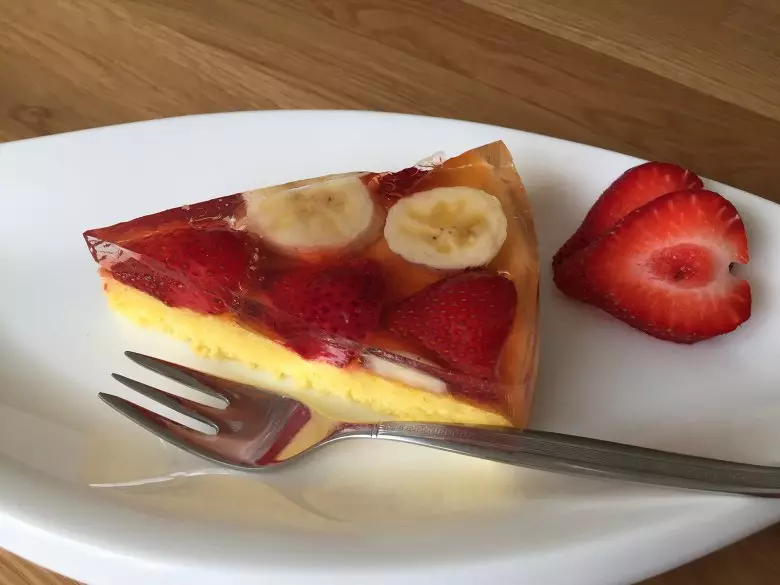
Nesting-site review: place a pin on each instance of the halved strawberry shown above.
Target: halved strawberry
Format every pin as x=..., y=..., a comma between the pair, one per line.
x=665, y=268
x=634, y=188
x=320, y=310
x=201, y=270
x=307, y=340
x=464, y=319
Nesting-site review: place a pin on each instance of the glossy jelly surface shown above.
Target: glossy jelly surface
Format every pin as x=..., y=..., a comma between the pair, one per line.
x=359, y=296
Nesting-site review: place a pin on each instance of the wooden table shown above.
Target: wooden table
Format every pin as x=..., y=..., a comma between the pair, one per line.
x=693, y=81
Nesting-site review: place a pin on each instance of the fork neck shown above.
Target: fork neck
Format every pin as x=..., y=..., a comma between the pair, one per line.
x=344, y=430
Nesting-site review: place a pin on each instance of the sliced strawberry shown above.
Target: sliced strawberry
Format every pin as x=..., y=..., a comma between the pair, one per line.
x=308, y=341
x=464, y=319
x=201, y=270
x=634, y=188
x=319, y=311
x=664, y=269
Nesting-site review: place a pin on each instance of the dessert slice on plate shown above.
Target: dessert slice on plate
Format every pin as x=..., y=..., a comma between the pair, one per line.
x=414, y=293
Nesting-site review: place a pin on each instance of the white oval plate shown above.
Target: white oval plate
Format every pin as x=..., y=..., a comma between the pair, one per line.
x=359, y=511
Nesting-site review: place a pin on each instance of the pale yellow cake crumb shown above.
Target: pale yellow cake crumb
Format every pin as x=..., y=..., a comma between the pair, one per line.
x=219, y=337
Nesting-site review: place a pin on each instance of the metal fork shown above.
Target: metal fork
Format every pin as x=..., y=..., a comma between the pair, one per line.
x=257, y=430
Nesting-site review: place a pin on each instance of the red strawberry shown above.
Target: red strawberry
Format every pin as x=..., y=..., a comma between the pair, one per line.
x=197, y=269
x=664, y=269
x=306, y=340
x=634, y=188
x=320, y=310
x=464, y=319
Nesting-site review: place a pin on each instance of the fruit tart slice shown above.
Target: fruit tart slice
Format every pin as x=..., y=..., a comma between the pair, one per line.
x=414, y=293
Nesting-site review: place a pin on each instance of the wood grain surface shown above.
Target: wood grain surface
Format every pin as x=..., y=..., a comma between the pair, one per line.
x=693, y=81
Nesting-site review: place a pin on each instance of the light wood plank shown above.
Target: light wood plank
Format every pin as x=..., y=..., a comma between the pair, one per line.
x=16, y=571
x=724, y=48
x=96, y=62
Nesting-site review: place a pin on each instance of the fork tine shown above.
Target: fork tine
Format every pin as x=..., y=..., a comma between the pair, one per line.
x=176, y=403
x=168, y=430
x=187, y=376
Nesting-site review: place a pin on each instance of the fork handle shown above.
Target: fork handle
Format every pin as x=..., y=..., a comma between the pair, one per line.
x=588, y=457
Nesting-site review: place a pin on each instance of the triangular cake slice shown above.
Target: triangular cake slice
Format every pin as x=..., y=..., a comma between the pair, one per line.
x=413, y=293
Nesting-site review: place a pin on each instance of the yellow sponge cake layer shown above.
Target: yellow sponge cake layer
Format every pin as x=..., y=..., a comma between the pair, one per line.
x=221, y=338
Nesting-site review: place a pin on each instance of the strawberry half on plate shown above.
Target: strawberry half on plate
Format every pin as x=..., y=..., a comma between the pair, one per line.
x=666, y=268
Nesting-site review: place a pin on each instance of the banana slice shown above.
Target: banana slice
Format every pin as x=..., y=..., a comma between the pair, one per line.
x=405, y=374
x=324, y=215
x=447, y=228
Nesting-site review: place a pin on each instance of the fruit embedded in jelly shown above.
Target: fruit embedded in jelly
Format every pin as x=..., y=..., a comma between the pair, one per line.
x=302, y=337
x=408, y=366
x=447, y=228
x=464, y=320
x=342, y=301
x=202, y=270
x=214, y=213
x=320, y=218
